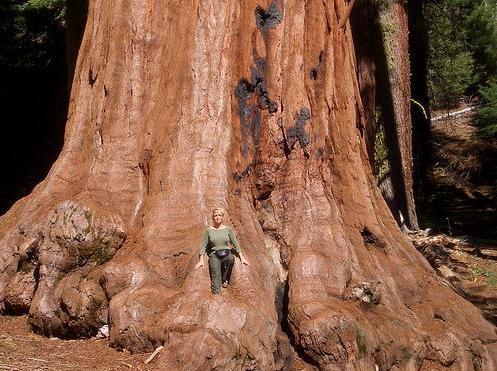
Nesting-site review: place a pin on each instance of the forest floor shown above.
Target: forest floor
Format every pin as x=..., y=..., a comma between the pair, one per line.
x=459, y=205
x=21, y=349
x=460, y=197
x=460, y=208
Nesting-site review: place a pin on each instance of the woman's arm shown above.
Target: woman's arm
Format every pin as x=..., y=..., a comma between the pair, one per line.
x=203, y=247
x=234, y=242
x=200, y=262
x=243, y=260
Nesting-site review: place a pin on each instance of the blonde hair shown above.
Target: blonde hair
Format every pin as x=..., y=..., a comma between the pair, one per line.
x=218, y=210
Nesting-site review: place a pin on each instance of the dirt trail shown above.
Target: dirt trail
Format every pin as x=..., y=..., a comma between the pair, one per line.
x=21, y=349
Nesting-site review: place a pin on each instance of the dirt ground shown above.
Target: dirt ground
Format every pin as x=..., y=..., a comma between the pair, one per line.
x=459, y=204
x=21, y=349
x=469, y=269
x=460, y=197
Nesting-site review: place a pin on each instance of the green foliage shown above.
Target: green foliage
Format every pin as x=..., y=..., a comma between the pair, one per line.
x=463, y=47
x=27, y=32
x=450, y=62
x=482, y=31
x=489, y=275
x=45, y=4
x=381, y=160
x=487, y=115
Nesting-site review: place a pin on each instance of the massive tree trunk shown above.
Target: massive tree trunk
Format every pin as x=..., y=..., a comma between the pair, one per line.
x=181, y=107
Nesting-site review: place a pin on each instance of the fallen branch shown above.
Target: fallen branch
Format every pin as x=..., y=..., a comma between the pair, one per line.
x=157, y=350
x=37, y=359
x=454, y=114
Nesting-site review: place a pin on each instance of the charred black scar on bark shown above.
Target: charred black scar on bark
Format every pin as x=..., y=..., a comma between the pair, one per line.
x=297, y=133
x=315, y=72
x=268, y=18
x=368, y=236
x=370, y=239
x=253, y=97
x=238, y=176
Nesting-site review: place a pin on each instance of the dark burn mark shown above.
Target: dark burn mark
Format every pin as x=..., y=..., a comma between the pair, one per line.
x=240, y=176
x=256, y=126
x=297, y=133
x=144, y=165
x=244, y=91
x=368, y=237
x=91, y=78
x=313, y=73
x=270, y=18
x=265, y=102
x=252, y=97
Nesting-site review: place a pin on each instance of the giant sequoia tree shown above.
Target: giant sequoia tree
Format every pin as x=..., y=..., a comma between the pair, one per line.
x=181, y=106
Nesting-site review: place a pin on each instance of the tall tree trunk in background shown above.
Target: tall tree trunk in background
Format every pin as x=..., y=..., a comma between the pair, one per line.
x=179, y=107
x=383, y=75
x=394, y=98
x=418, y=50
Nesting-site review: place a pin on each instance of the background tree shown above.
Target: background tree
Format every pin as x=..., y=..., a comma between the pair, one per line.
x=34, y=93
x=176, y=108
x=383, y=74
x=463, y=53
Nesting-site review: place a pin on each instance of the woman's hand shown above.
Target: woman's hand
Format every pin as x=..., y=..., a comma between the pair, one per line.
x=244, y=261
x=200, y=263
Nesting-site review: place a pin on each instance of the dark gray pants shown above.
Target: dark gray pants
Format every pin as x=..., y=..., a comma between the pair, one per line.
x=220, y=270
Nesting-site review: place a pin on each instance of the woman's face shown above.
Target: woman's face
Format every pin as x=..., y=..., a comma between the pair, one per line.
x=217, y=217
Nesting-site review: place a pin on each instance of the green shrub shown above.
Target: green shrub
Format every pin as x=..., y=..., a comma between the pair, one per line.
x=487, y=116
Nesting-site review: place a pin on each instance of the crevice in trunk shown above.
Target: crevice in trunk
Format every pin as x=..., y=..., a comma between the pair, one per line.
x=281, y=302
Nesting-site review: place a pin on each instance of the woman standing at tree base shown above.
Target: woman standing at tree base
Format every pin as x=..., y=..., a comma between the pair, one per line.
x=216, y=242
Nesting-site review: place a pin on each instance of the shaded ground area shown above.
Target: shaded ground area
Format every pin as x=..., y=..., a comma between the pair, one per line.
x=461, y=195
x=21, y=349
x=460, y=201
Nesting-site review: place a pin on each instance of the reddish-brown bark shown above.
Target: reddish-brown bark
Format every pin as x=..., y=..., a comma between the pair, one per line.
x=395, y=96
x=384, y=80
x=181, y=107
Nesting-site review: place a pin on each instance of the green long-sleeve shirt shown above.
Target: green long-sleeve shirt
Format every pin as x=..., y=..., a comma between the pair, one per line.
x=218, y=239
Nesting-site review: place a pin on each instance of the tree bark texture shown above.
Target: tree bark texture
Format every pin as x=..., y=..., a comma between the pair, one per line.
x=180, y=107
x=394, y=97
x=384, y=80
